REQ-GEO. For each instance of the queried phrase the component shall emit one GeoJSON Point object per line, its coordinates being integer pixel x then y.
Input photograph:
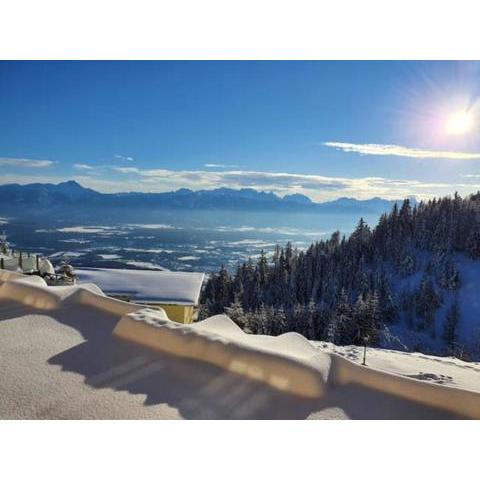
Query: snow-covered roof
{"type": "Point", "coordinates": [177, 288]}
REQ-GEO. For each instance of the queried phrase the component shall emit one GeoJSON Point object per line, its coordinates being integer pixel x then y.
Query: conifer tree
{"type": "Point", "coordinates": [427, 301]}
{"type": "Point", "coordinates": [236, 313]}
{"type": "Point", "coordinates": [313, 291]}
{"type": "Point", "coordinates": [451, 324]}
{"type": "Point", "coordinates": [345, 322]}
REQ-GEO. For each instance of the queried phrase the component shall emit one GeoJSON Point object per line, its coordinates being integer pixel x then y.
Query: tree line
{"type": "Point", "coordinates": [341, 289]}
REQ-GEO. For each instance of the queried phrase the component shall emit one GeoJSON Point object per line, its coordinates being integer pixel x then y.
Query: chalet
{"type": "Point", "coordinates": [177, 293]}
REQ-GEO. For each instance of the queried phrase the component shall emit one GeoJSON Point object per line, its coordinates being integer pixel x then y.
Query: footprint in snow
{"type": "Point", "coordinates": [432, 377]}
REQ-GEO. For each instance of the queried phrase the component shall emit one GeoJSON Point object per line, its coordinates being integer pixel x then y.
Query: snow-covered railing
{"type": "Point", "coordinates": [11, 259]}
{"type": "Point", "coordinates": [19, 261]}
{"type": "Point", "coordinates": [288, 362]}
{"type": "Point", "coordinates": [32, 290]}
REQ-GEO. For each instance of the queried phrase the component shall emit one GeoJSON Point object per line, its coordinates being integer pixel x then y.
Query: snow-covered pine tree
{"type": "Point", "coordinates": [332, 329]}
{"type": "Point", "coordinates": [258, 321]}
{"type": "Point", "coordinates": [298, 286]}
{"type": "Point", "coordinates": [346, 325]}
{"type": "Point", "coordinates": [407, 264]}
{"type": "Point", "coordinates": [368, 318]}
{"type": "Point", "coordinates": [450, 326]}
{"type": "Point", "coordinates": [236, 313]}
{"type": "Point", "coordinates": [311, 314]}
{"type": "Point", "coordinates": [279, 321]}
{"type": "Point", "coordinates": [473, 243]}
{"type": "Point", "coordinates": [447, 274]}
{"type": "Point", "coordinates": [427, 302]}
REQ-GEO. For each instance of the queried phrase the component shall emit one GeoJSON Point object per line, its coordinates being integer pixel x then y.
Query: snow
{"type": "Point", "coordinates": [83, 229]}
{"type": "Point", "coordinates": [292, 364]}
{"type": "Point", "coordinates": [148, 265]}
{"type": "Point", "coordinates": [272, 230]}
{"type": "Point", "coordinates": [440, 370]}
{"type": "Point", "coordinates": [146, 285]}
{"type": "Point", "coordinates": [469, 305]}
{"type": "Point", "coordinates": [152, 226]}
{"type": "Point", "coordinates": [60, 360]}
{"type": "Point", "coordinates": [469, 300]}
{"type": "Point", "coordinates": [74, 240]}
{"type": "Point", "coordinates": [253, 242]}
{"type": "Point", "coordinates": [146, 250]}
{"type": "Point", "coordinates": [287, 362]}
{"type": "Point", "coordinates": [29, 264]}
{"type": "Point", "coordinates": [65, 254]}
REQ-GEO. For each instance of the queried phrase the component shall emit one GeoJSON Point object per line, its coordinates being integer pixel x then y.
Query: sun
{"type": "Point", "coordinates": [460, 123]}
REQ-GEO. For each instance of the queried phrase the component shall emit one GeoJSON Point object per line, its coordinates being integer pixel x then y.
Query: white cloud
{"type": "Point", "coordinates": [398, 151]}
{"type": "Point", "coordinates": [123, 157]}
{"type": "Point", "coordinates": [25, 162]}
{"type": "Point", "coordinates": [219, 165]}
{"type": "Point", "coordinates": [126, 169]}
{"type": "Point", "coordinates": [317, 187]}
{"type": "Point", "coordinates": [82, 166]}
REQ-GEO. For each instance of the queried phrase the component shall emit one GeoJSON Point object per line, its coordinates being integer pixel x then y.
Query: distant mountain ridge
{"type": "Point", "coordinates": [46, 196]}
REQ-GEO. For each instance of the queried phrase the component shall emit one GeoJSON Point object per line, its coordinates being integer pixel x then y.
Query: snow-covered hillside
{"type": "Point", "coordinates": [401, 336]}
{"type": "Point", "coordinates": [411, 283]}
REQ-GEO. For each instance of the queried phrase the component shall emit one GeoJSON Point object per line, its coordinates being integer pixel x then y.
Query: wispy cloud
{"type": "Point", "coordinates": [470, 175]}
{"type": "Point", "coordinates": [317, 187]}
{"type": "Point", "coordinates": [126, 169]}
{"type": "Point", "coordinates": [123, 157]}
{"type": "Point", "coordinates": [399, 151]}
{"type": "Point", "coordinates": [25, 162]}
{"type": "Point", "coordinates": [219, 165]}
{"type": "Point", "coordinates": [83, 166]}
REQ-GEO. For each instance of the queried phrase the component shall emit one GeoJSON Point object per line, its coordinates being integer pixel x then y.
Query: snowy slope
{"type": "Point", "coordinates": [439, 370]}
{"type": "Point", "coordinates": [400, 336]}
{"type": "Point", "coordinates": [469, 300]}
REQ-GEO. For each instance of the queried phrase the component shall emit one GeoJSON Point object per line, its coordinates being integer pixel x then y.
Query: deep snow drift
{"type": "Point", "coordinates": [210, 369]}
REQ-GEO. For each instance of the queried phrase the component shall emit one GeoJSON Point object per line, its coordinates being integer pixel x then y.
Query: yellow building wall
{"type": "Point", "coordinates": [178, 313]}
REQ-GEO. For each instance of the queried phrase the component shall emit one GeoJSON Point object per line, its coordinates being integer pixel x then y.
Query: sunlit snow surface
{"type": "Point", "coordinates": [440, 370]}
{"type": "Point", "coordinates": [146, 285]}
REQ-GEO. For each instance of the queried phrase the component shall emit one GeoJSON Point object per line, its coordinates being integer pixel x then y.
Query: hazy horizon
{"type": "Point", "coordinates": [211, 189]}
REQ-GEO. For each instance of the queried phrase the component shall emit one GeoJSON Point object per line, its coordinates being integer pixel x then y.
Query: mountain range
{"type": "Point", "coordinates": [46, 196]}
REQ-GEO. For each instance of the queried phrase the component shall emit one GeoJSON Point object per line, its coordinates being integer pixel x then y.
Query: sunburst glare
{"type": "Point", "coordinates": [460, 123]}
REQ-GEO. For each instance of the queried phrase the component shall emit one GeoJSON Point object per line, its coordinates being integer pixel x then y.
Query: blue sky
{"type": "Point", "coordinates": [326, 129]}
